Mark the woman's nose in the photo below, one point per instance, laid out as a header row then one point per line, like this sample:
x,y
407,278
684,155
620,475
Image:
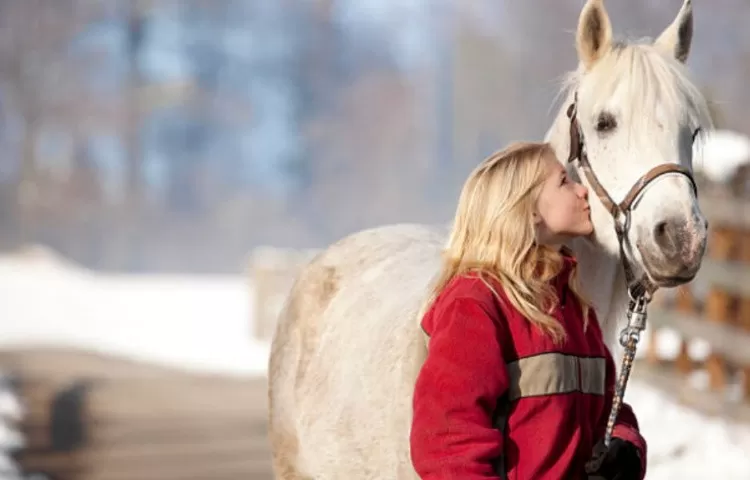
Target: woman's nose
x,y
583,192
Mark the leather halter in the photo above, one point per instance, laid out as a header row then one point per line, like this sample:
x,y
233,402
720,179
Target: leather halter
x,y
620,212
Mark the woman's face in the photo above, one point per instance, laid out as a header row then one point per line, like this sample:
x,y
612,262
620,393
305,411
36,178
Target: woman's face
x,y
562,208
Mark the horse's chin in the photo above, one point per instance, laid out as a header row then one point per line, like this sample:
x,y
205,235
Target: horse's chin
x,y
670,281
665,275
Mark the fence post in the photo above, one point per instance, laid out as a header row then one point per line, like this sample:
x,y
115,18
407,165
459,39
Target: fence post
x,y
718,307
684,302
652,348
743,311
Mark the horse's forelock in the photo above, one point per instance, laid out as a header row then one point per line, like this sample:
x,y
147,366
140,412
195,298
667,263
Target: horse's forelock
x,y
651,75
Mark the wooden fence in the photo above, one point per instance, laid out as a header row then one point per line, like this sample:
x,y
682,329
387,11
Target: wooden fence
x,y
712,311
98,417
272,272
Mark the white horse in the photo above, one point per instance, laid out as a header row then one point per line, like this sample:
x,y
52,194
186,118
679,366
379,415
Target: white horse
x,y
348,345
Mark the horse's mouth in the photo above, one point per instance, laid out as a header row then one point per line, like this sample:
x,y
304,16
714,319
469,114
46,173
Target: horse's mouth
x,y
658,276
670,281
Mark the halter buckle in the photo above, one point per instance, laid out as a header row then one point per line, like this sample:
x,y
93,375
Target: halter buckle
x,y
637,316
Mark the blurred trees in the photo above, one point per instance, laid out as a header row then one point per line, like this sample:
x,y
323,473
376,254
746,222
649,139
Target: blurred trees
x,y
178,134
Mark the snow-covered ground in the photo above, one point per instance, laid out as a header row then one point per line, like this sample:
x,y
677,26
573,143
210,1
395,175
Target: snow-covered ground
x,y
11,439
200,323
203,323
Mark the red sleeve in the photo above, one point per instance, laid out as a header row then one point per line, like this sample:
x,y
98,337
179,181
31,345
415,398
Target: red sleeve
x,y
626,424
456,392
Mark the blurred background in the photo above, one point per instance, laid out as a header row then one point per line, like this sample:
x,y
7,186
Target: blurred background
x,y
167,165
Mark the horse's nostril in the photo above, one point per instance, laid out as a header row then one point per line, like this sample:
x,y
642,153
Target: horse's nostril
x,y
660,230
665,236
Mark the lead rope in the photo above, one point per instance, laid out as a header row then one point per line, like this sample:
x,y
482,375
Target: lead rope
x,y
640,296
629,338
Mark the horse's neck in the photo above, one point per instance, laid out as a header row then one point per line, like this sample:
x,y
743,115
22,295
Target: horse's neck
x,y
603,284
600,273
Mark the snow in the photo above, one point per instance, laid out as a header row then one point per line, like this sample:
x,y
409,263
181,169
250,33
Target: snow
x,y
203,323
199,324
683,444
11,439
721,154
11,409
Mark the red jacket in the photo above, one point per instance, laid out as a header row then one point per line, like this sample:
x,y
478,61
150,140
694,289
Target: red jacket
x,y
496,398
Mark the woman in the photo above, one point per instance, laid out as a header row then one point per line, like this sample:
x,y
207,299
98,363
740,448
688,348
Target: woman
x,y
518,381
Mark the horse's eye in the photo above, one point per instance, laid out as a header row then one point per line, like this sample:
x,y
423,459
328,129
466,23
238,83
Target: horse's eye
x,y
606,122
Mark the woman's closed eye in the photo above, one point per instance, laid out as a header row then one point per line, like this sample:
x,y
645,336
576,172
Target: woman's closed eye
x,y
565,182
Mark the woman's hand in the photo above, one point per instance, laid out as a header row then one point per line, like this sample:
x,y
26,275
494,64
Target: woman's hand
x,y
620,461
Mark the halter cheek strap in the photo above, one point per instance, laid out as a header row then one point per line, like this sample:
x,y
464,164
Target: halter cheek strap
x,y
620,212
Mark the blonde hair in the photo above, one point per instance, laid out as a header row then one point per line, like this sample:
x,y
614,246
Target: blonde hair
x,y
493,236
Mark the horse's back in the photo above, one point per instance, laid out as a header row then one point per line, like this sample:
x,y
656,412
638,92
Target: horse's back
x,y
345,355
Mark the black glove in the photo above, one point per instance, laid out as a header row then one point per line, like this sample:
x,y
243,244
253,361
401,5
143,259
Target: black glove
x,y
621,461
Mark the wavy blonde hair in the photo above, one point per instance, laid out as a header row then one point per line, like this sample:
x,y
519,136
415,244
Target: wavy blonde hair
x,y
493,236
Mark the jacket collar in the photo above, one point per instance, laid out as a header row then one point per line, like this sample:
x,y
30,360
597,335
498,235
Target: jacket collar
x,y
569,264
568,257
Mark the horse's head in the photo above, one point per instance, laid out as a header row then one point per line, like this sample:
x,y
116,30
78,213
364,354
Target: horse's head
x,y
637,112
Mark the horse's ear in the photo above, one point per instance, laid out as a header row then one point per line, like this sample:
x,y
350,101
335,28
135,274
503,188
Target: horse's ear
x,y
594,36
677,37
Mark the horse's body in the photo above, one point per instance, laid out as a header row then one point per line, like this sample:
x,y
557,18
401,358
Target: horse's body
x,y
348,345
